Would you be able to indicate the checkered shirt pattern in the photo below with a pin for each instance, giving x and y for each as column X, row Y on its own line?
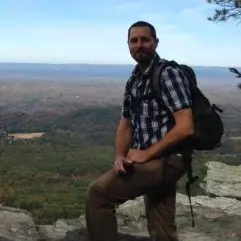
column 152, row 118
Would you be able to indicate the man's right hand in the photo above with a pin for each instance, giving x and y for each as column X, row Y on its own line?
column 119, row 165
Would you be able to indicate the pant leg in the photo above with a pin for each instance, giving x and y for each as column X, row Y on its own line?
column 111, row 189
column 161, row 205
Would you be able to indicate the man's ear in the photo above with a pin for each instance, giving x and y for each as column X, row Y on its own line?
column 157, row 41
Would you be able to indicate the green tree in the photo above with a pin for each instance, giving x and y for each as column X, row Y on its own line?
column 233, row 70
column 227, row 9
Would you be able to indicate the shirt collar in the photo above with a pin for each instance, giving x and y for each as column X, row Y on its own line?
column 137, row 72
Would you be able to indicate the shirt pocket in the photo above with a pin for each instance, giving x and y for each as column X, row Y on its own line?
column 150, row 109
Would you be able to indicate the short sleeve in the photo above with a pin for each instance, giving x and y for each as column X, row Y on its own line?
column 175, row 89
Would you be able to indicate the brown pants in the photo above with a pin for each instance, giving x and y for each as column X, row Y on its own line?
column 154, row 179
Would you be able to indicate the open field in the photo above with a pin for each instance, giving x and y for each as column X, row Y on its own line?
column 60, row 97
column 50, row 95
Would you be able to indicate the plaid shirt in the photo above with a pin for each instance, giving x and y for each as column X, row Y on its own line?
column 152, row 118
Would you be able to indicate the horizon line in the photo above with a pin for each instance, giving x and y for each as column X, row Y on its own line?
column 113, row 64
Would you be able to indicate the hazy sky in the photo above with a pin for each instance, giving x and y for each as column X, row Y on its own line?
column 80, row 31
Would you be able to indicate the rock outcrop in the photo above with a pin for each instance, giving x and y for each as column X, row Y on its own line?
column 16, row 225
column 217, row 218
column 223, row 180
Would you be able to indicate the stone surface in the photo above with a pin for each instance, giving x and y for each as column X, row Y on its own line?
column 228, row 205
column 16, row 224
column 223, row 180
column 216, row 218
column 60, row 228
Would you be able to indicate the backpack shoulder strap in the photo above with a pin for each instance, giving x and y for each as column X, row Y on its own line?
column 190, row 74
column 156, row 79
column 157, row 73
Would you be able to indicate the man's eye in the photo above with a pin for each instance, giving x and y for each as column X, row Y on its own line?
column 145, row 39
column 134, row 40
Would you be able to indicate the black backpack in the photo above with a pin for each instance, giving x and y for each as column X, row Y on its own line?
column 207, row 122
column 208, row 126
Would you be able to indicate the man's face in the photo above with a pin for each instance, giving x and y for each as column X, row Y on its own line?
column 142, row 44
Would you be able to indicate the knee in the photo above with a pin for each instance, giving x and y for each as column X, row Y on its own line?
column 94, row 191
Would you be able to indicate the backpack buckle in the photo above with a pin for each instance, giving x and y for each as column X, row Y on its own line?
column 215, row 107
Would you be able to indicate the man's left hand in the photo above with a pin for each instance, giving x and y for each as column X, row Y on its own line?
column 137, row 156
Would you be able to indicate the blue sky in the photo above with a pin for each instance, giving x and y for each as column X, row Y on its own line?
column 80, row 31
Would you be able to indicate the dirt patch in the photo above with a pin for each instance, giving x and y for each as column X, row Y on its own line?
column 18, row 136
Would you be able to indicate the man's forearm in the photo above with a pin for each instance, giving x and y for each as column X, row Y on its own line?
column 183, row 128
column 123, row 138
column 172, row 138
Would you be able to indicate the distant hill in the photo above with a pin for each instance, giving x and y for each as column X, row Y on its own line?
column 61, row 72
column 66, row 70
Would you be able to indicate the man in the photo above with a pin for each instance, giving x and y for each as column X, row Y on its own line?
column 148, row 130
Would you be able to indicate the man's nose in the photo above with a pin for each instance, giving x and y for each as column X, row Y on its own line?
column 139, row 43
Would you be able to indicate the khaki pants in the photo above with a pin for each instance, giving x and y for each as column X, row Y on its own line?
column 155, row 179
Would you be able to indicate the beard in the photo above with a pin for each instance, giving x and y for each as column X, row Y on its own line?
column 142, row 56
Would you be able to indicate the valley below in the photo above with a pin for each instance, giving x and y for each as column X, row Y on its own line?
column 57, row 136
